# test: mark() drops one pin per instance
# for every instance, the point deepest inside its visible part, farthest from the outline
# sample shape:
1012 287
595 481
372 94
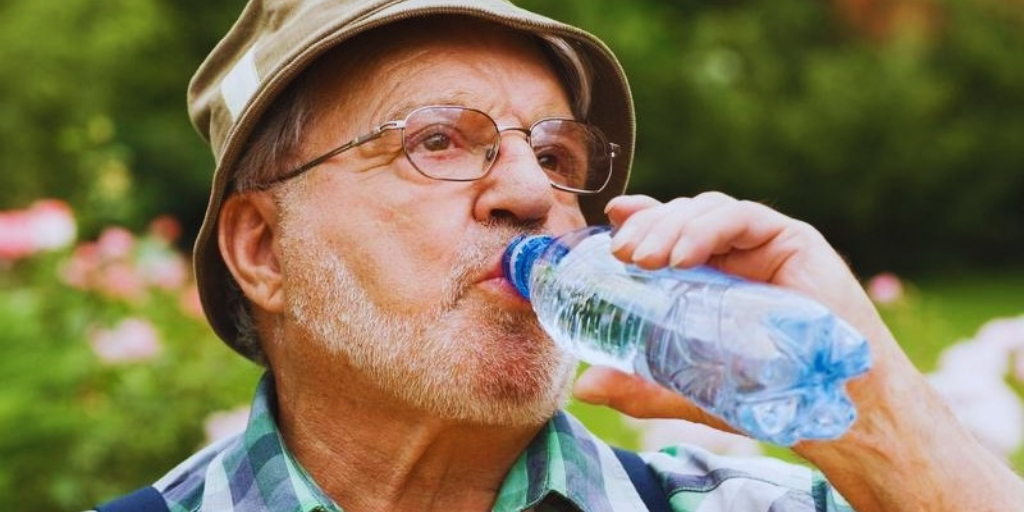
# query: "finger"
622 207
639 398
736 226
634 229
628 393
669 229
756 242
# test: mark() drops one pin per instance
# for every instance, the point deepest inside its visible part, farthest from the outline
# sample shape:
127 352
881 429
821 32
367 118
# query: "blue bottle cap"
517 262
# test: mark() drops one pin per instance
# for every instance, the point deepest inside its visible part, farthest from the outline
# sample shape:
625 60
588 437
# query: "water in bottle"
769 361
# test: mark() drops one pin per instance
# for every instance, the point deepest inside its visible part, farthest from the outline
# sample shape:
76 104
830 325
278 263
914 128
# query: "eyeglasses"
461 144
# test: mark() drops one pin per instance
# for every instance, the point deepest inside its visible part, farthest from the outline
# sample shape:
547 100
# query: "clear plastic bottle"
769 361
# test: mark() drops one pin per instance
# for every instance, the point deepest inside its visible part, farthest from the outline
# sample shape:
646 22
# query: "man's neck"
383 455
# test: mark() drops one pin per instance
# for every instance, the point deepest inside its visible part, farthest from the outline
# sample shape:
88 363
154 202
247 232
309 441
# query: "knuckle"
756 207
715 196
806 230
640 217
679 201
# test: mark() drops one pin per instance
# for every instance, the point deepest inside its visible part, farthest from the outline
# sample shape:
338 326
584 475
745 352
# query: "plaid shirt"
564 468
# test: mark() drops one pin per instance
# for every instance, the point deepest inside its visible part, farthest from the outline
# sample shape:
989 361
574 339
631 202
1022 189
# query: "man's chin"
509 370
523 403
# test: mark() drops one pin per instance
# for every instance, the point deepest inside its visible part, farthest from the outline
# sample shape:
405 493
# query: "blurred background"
894 126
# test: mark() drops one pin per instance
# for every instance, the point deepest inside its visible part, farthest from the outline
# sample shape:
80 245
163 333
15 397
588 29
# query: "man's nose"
516 185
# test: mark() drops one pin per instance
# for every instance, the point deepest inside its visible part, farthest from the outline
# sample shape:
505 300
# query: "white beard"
464 360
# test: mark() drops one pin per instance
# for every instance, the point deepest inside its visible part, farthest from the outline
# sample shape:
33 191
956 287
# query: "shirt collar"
564 459
280 480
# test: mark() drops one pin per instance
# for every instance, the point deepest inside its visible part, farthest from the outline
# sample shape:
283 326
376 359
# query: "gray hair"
273 149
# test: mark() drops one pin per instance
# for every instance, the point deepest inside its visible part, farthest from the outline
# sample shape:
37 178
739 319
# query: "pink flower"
132 340
121 266
165 228
971 376
168 273
975 358
223 424
885 288
46 225
1006 333
120 281
78 271
115 243
15 236
53 224
162 267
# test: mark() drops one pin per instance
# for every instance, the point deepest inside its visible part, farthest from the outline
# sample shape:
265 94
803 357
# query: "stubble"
464 359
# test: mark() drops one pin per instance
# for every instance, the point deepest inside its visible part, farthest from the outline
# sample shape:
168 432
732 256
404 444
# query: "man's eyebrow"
403 109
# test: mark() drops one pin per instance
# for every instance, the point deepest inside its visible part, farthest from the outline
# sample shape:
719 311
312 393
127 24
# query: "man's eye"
559 160
548 162
435 139
436 142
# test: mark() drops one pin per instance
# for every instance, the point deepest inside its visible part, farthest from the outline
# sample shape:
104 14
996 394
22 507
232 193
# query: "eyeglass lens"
458 143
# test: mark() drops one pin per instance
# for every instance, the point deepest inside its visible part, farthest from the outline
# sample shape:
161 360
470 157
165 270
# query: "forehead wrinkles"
371 79
355 84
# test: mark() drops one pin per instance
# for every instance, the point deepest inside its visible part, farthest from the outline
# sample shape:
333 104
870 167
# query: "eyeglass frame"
400 124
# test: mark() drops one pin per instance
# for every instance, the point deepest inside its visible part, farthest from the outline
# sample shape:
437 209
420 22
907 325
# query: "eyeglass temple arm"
358 141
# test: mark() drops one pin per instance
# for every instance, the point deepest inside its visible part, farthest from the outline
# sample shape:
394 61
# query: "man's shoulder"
185 483
181 488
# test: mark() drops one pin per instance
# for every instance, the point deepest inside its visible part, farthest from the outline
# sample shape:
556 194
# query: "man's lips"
493 277
493 270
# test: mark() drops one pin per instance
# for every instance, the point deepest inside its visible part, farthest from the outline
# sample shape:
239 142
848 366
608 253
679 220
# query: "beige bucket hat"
275 40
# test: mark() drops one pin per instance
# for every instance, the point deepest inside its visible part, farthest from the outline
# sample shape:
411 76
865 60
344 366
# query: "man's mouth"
493 279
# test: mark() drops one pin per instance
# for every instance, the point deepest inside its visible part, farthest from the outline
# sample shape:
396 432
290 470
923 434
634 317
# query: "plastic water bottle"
770 362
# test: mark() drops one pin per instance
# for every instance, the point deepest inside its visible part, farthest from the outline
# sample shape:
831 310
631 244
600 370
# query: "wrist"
908 452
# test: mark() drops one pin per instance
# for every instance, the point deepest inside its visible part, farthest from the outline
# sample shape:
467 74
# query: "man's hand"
905 452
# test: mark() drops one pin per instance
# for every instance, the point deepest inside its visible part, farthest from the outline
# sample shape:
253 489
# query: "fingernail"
611 202
647 248
679 254
621 238
617 243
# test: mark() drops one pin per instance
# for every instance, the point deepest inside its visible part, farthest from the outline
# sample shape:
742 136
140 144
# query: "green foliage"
93 107
905 152
79 426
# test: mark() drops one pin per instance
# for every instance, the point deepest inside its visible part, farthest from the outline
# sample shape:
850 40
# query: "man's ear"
246 233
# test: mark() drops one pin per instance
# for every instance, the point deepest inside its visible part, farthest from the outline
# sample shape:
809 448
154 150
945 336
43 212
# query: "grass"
944 310
937 311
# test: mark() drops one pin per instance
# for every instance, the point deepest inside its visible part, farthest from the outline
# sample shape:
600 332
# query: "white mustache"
476 256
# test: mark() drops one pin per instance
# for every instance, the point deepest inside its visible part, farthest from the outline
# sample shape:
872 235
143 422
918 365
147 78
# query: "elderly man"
373 159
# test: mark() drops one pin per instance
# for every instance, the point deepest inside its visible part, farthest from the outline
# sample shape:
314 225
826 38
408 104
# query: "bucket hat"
273 41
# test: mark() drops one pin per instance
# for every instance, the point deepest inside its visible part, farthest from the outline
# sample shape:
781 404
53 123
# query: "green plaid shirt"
564 468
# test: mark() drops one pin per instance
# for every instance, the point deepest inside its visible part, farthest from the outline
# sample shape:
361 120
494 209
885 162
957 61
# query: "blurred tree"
891 125
92 109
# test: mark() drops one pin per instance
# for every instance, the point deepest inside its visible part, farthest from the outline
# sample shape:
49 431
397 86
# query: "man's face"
395 275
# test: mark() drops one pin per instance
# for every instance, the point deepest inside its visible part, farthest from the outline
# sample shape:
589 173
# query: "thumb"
638 398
